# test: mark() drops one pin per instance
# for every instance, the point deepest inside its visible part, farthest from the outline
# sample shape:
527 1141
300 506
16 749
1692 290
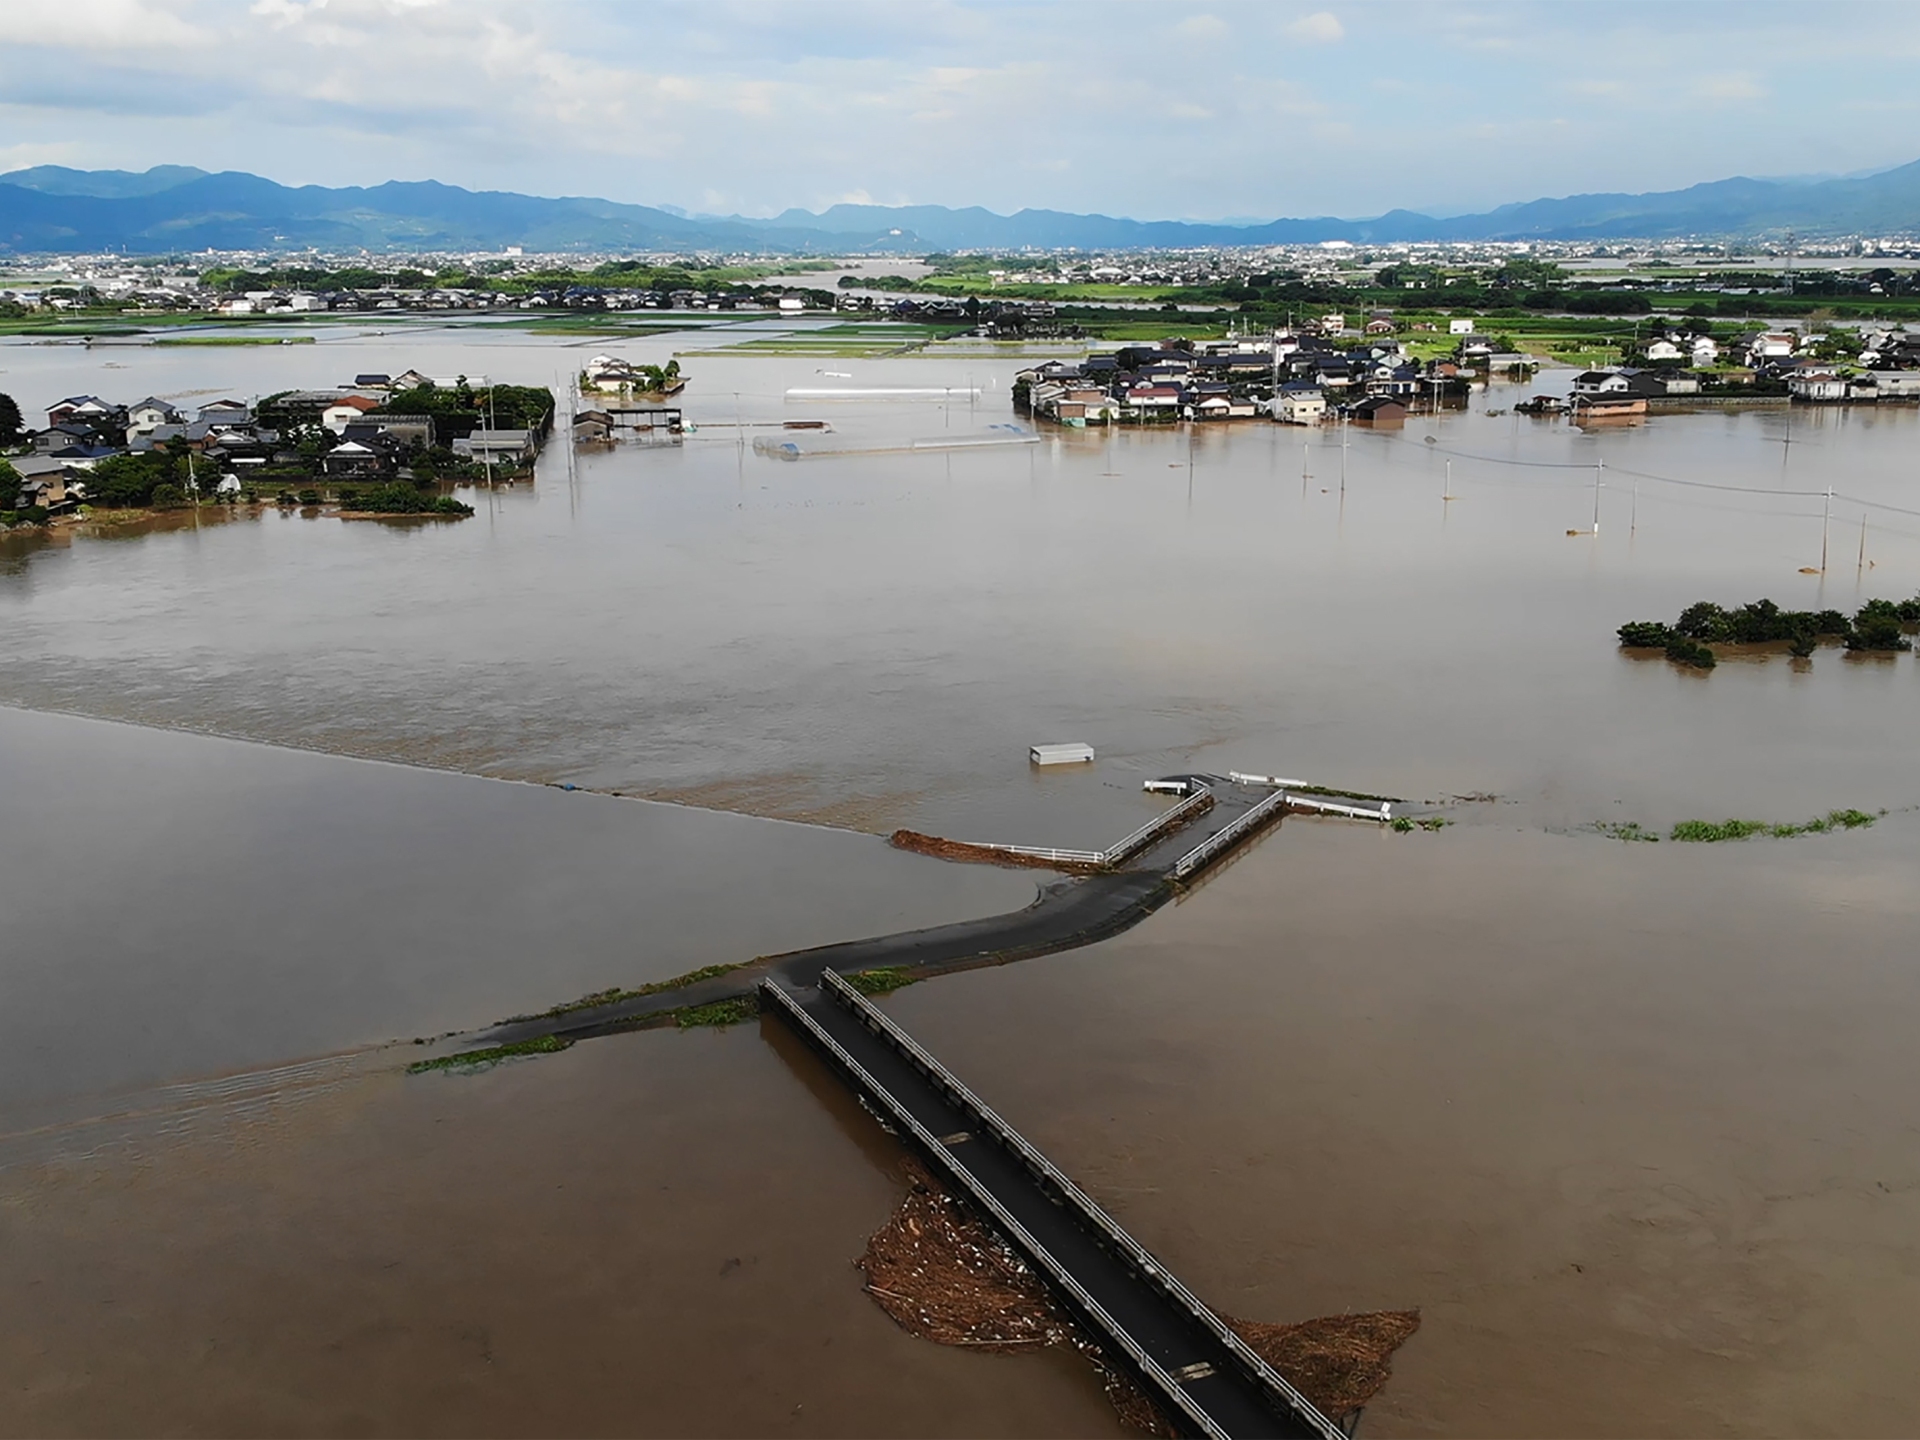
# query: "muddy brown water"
1632 1125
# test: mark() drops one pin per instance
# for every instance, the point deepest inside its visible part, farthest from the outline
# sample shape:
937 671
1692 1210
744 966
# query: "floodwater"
1631 1124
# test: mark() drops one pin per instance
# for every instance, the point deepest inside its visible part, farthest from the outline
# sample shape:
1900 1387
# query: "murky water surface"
1633 1124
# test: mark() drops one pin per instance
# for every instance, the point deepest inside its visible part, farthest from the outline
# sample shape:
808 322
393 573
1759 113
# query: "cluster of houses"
359 438
1778 362
1296 377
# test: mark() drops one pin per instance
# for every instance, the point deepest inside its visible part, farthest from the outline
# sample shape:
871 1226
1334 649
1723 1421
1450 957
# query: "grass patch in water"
883 980
1630 831
1708 832
738 1010
493 1055
1330 792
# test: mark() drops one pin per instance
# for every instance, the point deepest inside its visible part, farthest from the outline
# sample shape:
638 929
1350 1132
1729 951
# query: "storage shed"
1075 754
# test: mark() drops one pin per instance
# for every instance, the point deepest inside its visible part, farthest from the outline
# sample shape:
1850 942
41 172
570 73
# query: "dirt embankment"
966 852
946 1277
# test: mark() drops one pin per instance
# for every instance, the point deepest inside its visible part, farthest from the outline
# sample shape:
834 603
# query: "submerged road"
1066 914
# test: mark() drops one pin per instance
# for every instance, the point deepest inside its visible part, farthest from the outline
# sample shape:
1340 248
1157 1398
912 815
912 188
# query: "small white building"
1460 327
1818 385
344 411
1068 754
1304 406
501 447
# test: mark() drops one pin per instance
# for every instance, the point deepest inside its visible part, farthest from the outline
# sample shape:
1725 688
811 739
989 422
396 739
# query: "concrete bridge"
1201 1375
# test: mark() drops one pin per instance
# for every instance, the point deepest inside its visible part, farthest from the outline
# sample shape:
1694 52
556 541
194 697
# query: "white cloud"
1730 87
1203 27
1323 27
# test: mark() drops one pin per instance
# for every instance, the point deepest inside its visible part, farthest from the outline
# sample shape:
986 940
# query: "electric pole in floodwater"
1343 457
1598 466
1826 522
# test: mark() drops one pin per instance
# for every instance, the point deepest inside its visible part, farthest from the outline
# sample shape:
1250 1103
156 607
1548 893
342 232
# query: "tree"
9 420
122 480
9 486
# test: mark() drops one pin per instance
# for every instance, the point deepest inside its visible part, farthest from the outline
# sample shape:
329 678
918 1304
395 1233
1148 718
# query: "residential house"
1662 349
410 432
1145 396
1299 402
590 427
86 410
498 447
52 486
1822 386
1378 410
147 415
358 460
1771 345
346 410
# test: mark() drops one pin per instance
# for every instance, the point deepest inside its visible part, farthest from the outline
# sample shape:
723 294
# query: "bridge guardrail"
1228 835
1136 1255
1196 803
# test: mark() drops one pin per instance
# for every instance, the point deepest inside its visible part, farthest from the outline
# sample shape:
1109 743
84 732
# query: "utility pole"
1446 486
1343 457
1826 520
1598 466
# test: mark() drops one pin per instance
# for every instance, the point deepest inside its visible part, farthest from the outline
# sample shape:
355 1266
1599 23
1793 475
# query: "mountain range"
177 208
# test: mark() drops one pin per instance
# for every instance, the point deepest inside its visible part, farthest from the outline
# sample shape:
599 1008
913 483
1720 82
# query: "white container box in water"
1062 754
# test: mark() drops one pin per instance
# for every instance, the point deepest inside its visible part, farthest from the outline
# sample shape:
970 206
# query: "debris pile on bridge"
943 1275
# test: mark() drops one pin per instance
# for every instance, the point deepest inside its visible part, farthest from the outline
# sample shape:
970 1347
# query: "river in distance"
1631 1123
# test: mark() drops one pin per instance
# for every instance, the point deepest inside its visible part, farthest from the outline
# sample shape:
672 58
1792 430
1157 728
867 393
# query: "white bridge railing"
1228 835
1194 804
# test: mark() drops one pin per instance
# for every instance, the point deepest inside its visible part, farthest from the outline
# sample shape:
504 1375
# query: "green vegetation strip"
1707 832
1406 824
1343 794
720 1013
234 340
883 980
614 996
491 1056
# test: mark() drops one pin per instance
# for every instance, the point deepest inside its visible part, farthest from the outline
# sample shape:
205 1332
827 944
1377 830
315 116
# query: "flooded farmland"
1630 1124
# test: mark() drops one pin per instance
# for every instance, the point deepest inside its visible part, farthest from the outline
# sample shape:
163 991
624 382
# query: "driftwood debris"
944 1276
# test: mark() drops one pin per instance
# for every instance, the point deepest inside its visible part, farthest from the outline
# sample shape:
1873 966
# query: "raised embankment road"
1112 891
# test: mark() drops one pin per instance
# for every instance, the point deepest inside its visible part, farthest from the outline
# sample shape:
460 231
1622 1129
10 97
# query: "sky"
1192 109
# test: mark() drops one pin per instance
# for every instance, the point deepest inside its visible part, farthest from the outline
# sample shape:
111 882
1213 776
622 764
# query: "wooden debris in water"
944 1276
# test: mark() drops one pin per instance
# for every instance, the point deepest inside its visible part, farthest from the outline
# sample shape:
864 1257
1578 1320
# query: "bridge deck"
1204 1378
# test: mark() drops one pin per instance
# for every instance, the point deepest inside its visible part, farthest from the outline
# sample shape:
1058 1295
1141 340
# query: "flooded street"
1632 1125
